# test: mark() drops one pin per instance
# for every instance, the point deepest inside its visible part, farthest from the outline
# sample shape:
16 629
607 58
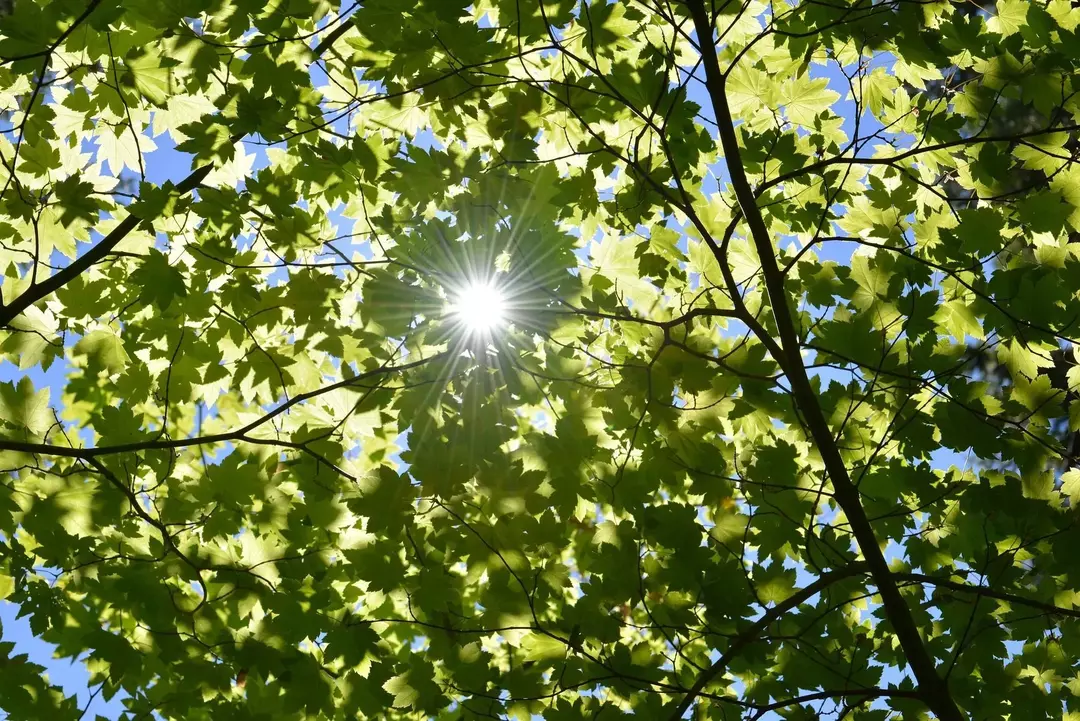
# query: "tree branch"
935 692
988 592
239 434
91 6
826 163
751 634
38 291
742 640
58 280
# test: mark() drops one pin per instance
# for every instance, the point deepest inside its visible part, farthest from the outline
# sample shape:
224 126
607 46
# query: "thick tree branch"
332 37
55 282
39 291
934 689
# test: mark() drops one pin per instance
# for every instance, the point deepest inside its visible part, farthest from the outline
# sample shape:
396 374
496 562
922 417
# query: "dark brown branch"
822 165
42 290
239 434
91 257
934 690
752 634
989 592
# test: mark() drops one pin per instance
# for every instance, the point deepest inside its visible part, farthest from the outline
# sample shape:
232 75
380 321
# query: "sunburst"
480 307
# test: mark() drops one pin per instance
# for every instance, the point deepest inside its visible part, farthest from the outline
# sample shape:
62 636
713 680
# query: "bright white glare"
480 307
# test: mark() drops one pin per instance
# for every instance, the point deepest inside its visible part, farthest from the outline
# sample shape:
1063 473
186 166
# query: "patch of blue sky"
70 675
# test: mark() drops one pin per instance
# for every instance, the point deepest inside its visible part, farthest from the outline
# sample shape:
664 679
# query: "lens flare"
480 308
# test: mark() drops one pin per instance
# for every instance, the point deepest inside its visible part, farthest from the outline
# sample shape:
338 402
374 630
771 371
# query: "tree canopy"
561 359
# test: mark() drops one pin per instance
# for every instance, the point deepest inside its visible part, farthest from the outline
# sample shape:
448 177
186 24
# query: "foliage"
735 452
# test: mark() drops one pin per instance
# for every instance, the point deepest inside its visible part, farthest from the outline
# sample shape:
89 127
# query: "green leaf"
153 77
979 231
609 25
957 318
154 201
7 586
77 202
539 647
1044 212
1070 485
1009 17
159 282
103 350
26 408
775 585
804 98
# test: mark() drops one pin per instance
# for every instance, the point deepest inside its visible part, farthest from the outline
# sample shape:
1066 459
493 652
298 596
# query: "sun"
480 307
